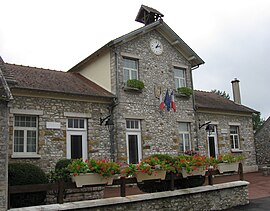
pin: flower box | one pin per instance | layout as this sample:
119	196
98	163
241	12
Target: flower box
198	170
227	167
91	179
157	174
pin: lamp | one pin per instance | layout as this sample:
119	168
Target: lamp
108	121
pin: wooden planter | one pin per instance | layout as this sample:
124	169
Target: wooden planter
157	174
201	170
227	167
91	179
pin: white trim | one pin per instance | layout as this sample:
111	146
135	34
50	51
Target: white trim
175	64
138	134
53	125
214	135
129	55
237	150
234	123
77	115
212	122
26	111
25	155
184	120
84	143
130	117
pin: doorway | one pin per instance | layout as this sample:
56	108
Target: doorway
212	142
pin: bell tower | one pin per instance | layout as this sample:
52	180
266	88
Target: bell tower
148	15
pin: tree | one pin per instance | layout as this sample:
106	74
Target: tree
221	93
257	121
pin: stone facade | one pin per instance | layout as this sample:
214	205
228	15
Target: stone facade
52	144
262	144
77	194
3	154
222	123
159	129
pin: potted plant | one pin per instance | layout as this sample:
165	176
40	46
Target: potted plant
93	172
228	163
148	169
185	91
134	84
191	165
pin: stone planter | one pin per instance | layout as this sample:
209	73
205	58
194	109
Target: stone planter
157	174
197	172
91	179
227	167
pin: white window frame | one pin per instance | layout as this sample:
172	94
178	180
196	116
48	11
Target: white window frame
130	70
233	138
183	135
179	79
136	132
79	132
25	129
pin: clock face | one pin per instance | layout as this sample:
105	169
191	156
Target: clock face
156	46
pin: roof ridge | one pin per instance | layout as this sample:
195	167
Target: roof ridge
41	68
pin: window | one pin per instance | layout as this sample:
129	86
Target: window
25	135
179	77
184	133
234	137
76	123
133	138
130	69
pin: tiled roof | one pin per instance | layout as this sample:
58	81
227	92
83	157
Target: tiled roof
213	101
53	81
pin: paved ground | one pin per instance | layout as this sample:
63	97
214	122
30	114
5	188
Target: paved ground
259	190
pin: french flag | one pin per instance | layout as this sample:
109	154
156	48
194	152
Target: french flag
172	102
161	102
167	100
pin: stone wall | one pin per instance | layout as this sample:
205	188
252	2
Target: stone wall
159	129
216	197
3	155
222	121
262	144
77	194
52	142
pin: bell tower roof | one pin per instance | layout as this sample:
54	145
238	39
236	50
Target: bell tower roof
148	15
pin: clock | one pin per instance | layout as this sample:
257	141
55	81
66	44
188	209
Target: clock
156	46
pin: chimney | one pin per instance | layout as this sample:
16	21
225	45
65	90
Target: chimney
236	91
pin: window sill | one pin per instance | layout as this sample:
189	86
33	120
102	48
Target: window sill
236	150
26	156
132	89
182	95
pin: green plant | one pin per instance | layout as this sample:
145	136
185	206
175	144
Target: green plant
230	158
134	83
26	174
148	165
77	167
190	163
102	167
61	172
185	91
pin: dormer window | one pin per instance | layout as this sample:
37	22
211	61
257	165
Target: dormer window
130	69
179	77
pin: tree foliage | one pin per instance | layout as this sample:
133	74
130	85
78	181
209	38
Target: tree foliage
257	121
221	93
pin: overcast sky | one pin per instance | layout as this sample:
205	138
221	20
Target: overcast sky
231	36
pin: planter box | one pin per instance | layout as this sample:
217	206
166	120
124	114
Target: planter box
198	171
91	179
227	167
157	174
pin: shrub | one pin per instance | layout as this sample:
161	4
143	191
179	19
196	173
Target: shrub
61	172
26	174
135	84
185	91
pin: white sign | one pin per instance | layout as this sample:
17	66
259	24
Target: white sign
53	125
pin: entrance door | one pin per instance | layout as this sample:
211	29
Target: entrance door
212	142
76	145
134	147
